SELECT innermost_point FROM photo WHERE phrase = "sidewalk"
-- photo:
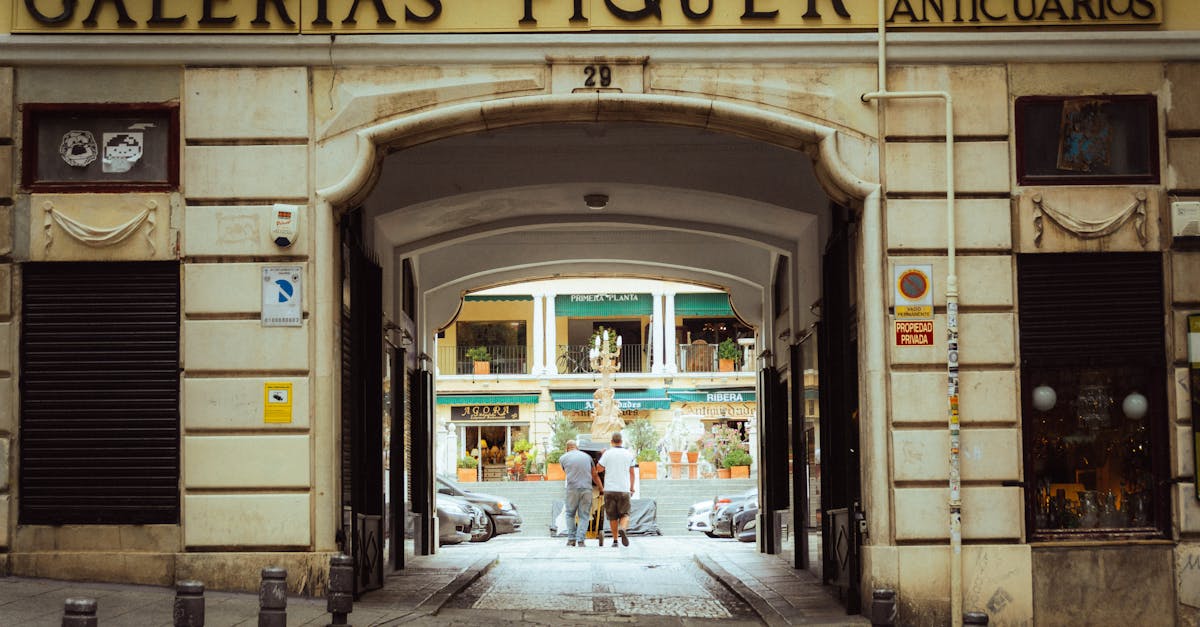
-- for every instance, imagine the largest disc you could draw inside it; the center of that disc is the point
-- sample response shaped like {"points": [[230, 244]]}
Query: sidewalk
{"points": [[779, 594]]}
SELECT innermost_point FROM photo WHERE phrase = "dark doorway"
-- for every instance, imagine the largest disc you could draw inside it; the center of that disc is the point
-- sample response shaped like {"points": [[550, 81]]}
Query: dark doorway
{"points": [[362, 409], [838, 380]]}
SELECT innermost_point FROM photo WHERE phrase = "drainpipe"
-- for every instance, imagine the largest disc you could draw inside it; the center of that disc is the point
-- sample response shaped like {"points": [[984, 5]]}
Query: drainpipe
{"points": [[955, 501]]}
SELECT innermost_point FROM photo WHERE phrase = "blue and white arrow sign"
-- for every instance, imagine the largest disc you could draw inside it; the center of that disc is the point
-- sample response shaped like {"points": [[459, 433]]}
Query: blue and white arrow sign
{"points": [[281, 302]]}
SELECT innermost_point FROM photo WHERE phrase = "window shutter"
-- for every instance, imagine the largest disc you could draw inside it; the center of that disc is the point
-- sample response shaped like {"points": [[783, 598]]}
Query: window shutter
{"points": [[100, 393]]}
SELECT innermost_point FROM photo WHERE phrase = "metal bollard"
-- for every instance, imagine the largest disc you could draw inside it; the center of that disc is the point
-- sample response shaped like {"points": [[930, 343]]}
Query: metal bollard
{"points": [[975, 618], [883, 608], [79, 612], [272, 598], [341, 588], [189, 604]]}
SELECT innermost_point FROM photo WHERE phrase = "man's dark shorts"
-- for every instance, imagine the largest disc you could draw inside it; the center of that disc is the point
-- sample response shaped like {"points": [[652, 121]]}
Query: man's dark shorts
{"points": [[616, 504]]}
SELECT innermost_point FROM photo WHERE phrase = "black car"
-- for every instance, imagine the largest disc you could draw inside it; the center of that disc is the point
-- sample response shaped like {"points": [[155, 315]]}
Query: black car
{"points": [[724, 509], [745, 522], [502, 515]]}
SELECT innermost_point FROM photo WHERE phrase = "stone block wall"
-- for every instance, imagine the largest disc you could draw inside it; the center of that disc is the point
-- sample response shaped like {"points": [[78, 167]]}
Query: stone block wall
{"points": [[1183, 183], [915, 233], [8, 420], [246, 482]]}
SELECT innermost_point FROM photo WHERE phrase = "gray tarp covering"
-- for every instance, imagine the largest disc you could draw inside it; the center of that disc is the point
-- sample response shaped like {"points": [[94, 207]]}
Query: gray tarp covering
{"points": [[643, 519]]}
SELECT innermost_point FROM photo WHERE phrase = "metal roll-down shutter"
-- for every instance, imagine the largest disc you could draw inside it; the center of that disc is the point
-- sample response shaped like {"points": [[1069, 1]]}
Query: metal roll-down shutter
{"points": [[99, 430]]}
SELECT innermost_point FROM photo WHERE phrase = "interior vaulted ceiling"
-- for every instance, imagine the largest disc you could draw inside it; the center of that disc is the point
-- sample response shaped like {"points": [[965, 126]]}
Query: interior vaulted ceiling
{"points": [[507, 205]]}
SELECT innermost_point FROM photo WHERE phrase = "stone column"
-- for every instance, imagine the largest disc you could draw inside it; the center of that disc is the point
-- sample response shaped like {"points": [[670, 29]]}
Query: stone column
{"points": [[668, 333], [449, 447], [539, 345], [550, 322], [656, 334]]}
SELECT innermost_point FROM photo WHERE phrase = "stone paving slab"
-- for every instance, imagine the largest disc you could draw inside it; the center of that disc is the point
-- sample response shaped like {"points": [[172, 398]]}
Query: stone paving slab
{"points": [[655, 593]]}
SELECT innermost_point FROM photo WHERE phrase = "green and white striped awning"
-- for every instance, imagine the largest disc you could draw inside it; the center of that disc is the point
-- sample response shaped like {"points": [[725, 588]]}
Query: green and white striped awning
{"points": [[712, 396], [599, 305], [487, 399], [626, 399], [715, 304]]}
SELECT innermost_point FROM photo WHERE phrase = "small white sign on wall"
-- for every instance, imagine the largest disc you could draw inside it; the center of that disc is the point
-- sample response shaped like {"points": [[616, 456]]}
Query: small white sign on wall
{"points": [[281, 297]]}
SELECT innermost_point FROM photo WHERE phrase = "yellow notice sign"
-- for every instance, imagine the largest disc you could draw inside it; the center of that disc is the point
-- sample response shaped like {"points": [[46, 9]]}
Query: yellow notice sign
{"points": [[277, 402]]}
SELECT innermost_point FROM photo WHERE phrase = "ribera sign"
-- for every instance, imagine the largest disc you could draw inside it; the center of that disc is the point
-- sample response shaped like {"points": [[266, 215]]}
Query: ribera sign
{"points": [[388, 16]]}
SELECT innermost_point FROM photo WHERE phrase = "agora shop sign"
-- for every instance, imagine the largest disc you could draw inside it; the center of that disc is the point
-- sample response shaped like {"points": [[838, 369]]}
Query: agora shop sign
{"points": [[384, 16]]}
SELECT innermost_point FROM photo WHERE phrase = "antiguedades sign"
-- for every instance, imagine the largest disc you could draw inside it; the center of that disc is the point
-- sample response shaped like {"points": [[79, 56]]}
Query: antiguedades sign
{"points": [[397, 16]]}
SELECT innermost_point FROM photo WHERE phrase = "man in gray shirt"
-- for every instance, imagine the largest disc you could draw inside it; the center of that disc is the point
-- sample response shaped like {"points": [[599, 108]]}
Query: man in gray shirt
{"points": [[581, 474]]}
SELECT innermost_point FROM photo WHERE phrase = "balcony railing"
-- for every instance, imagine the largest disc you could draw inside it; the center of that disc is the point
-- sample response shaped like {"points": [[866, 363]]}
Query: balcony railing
{"points": [[573, 359], [703, 358], [504, 360]]}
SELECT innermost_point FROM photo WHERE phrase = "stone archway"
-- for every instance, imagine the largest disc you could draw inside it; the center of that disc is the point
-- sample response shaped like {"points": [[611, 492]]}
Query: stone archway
{"points": [[831, 150]]}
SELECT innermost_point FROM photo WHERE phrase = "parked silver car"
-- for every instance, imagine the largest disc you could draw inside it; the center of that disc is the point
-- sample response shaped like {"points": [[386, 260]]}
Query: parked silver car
{"points": [[699, 517], [502, 515], [458, 520]]}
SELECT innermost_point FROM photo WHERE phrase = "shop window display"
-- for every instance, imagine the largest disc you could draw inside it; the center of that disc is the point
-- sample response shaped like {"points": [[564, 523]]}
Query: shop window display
{"points": [[1091, 448], [1094, 409]]}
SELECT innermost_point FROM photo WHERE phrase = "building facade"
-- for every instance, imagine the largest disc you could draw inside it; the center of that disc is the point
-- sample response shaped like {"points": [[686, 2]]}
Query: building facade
{"points": [[537, 347], [217, 218]]}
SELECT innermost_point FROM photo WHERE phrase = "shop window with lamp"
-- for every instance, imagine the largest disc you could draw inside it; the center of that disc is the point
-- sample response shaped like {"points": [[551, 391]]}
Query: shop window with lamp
{"points": [[1094, 411]]}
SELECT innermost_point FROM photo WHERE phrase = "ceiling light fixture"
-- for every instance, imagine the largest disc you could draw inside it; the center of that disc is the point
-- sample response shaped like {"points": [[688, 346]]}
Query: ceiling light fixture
{"points": [[595, 202]]}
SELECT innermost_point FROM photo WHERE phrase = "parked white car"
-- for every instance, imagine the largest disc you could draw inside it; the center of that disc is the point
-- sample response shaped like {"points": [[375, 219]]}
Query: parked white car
{"points": [[699, 517]]}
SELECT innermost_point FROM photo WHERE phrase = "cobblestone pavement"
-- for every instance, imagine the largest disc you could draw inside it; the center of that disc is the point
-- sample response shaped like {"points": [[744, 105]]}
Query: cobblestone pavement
{"points": [[511, 580]]}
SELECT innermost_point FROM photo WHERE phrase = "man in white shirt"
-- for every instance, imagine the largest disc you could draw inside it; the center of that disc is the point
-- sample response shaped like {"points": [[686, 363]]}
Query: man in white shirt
{"points": [[617, 464]]}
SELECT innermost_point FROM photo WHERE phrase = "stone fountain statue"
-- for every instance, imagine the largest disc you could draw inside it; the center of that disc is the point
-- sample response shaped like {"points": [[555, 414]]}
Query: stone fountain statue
{"points": [[606, 412]]}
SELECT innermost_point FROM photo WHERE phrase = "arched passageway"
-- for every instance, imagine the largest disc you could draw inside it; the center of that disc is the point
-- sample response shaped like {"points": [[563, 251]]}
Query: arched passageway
{"points": [[695, 191]]}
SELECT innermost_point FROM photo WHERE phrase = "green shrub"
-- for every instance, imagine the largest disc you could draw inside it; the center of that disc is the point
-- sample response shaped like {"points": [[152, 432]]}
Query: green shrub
{"points": [[522, 446], [647, 455], [466, 461], [642, 436], [478, 353], [728, 349], [553, 456], [562, 429], [736, 457]]}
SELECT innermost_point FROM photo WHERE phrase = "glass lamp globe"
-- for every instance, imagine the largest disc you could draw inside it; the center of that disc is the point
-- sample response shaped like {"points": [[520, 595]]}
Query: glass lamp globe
{"points": [[1044, 398], [1135, 406]]}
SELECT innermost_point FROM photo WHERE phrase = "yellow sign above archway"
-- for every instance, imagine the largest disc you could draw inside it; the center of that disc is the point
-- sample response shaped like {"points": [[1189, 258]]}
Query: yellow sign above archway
{"points": [[467, 16]]}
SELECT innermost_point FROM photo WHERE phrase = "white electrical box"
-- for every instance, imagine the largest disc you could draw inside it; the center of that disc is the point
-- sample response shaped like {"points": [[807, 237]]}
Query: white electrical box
{"points": [[1185, 219]]}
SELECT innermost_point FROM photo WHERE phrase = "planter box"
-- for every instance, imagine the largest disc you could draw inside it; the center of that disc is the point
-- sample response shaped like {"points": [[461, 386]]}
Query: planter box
{"points": [[555, 472], [534, 477], [740, 472], [483, 367], [649, 470], [725, 365], [467, 475], [723, 473]]}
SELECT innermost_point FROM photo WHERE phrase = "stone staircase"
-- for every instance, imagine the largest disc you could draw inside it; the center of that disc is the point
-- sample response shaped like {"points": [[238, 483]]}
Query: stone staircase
{"points": [[672, 497]]}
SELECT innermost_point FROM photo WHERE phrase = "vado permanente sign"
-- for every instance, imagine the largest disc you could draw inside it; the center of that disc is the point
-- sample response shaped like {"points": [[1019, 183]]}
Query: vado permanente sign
{"points": [[390, 16]]}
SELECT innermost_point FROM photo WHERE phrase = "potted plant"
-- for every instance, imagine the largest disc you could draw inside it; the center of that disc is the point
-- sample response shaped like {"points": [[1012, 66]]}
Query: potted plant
{"points": [[648, 463], [718, 443], [554, 470], [467, 468], [693, 456], [561, 431], [481, 358], [738, 463], [534, 470], [728, 355]]}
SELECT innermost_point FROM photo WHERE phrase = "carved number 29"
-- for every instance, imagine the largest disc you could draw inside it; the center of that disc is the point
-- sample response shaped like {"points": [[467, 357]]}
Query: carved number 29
{"points": [[591, 71]]}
